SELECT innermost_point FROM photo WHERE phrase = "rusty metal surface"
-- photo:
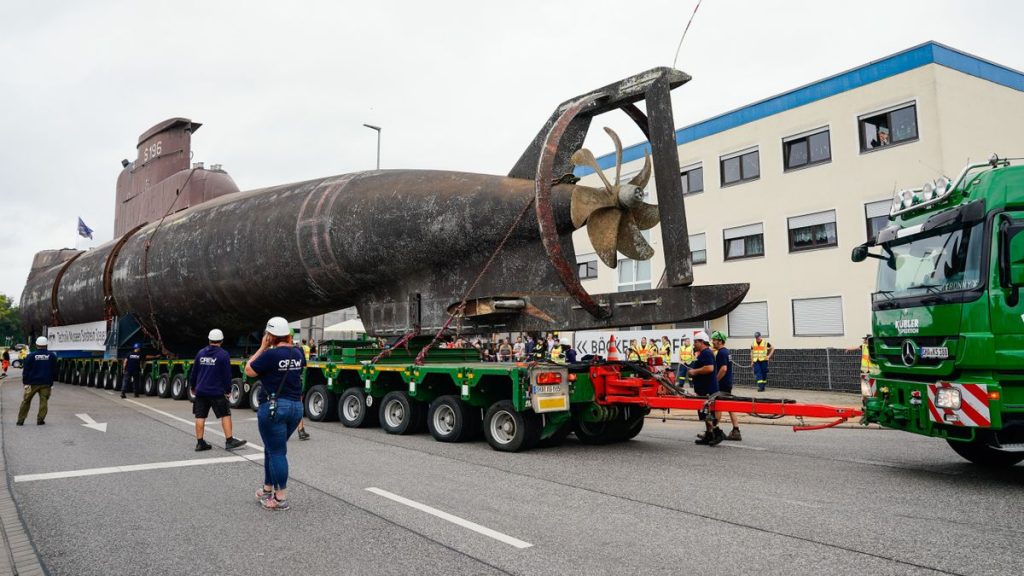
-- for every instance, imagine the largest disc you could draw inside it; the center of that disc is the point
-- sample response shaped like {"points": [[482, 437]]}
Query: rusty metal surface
{"points": [[55, 316], [109, 301]]}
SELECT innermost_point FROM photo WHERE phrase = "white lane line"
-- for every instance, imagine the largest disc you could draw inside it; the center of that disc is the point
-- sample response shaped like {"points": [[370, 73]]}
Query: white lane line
{"points": [[191, 422], [453, 519], [134, 468], [742, 446]]}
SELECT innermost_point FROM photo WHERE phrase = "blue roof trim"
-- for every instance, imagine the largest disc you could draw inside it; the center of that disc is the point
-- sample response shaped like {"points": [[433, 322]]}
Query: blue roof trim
{"points": [[927, 53]]}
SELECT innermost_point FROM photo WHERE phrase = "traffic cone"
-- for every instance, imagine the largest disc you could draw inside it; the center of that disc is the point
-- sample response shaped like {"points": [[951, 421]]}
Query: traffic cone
{"points": [[613, 350]]}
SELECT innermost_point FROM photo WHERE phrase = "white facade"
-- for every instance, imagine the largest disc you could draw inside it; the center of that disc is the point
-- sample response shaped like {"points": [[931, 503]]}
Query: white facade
{"points": [[812, 295]]}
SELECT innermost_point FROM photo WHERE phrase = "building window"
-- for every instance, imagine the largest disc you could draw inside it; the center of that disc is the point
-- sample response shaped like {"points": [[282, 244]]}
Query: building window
{"points": [[876, 214], [634, 275], [748, 318], [586, 267], [812, 231], [740, 167], [693, 179], [818, 316], [744, 241], [806, 149], [699, 248], [893, 126]]}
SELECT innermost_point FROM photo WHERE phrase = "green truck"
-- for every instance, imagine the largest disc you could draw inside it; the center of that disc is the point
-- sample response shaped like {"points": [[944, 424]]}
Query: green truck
{"points": [[948, 318]]}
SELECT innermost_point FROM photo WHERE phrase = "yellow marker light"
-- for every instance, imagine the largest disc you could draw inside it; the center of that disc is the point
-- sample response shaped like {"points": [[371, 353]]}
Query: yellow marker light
{"points": [[993, 395]]}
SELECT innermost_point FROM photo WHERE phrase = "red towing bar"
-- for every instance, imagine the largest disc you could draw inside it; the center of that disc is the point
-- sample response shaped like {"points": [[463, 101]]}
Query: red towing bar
{"points": [[611, 387]]}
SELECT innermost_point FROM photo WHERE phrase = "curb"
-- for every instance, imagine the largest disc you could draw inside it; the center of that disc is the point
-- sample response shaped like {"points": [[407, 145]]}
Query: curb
{"points": [[18, 555]]}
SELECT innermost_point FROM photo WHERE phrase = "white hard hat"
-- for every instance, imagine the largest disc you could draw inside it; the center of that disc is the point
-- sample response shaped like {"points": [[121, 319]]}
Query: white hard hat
{"points": [[701, 336], [278, 326], [216, 335], [42, 341]]}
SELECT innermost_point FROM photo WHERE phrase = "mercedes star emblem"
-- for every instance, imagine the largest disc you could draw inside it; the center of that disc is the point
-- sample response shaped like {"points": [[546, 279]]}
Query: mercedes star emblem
{"points": [[908, 352]]}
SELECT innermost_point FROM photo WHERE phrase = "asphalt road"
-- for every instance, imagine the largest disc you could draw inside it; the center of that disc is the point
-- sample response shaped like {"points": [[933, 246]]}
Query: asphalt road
{"points": [[839, 501]]}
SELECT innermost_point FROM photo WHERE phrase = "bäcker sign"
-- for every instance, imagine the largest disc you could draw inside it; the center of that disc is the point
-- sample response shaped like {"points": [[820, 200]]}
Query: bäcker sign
{"points": [[596, 341], [88, 336]]}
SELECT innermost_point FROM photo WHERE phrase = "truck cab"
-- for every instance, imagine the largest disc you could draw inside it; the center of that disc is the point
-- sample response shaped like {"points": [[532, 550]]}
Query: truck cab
{"points": [[947, 316]]}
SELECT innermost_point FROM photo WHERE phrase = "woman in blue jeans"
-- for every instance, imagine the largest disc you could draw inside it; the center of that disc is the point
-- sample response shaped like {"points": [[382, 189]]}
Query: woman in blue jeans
{"points": [[278, 364]]}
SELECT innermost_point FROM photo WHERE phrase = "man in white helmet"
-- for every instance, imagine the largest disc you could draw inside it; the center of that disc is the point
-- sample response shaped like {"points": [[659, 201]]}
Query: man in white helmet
{"points": [[210, 381], [38, 369]]}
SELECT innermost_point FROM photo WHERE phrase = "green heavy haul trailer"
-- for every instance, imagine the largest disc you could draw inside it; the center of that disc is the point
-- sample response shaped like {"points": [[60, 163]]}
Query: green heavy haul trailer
{"points": [[453, 395], [948, 317]]}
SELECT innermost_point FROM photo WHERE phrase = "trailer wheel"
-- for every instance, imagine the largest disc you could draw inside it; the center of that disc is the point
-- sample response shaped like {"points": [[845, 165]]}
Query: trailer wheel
{"points": [[508, 430], [163, 386], [321, 404], [557, 437], [77, 377], [190, 393], [179, 388], [149, 385], [449, 419], [399, 414], [981, 452], [354, 411], [254, 395], [632, 424], [118, 383], [90, 377], [237, 398]]}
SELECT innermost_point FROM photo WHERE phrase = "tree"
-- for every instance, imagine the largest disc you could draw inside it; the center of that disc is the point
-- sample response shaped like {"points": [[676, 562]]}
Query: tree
{"points": [[10, 322]]}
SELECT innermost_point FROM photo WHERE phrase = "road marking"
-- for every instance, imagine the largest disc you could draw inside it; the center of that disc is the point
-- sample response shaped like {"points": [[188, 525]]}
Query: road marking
{"points": [[135, 468], [90, 423], [453, 519], [192, 422], [742, 446]]}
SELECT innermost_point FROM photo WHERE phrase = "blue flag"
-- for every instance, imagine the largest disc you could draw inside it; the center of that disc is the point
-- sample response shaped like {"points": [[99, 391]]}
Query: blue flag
{"points": [[83, 230]]}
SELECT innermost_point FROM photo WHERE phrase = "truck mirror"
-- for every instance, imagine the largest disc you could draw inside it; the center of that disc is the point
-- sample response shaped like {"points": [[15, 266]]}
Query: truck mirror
{"points": [[859, 254]]}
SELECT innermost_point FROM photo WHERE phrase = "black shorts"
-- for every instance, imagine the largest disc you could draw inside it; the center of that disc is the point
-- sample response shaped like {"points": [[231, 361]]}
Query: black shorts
{"points": [[725, 389], [202, 405]]}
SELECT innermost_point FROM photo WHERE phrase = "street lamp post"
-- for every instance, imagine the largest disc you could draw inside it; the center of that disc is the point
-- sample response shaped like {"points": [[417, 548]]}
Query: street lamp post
{"points": [[377, 128]]}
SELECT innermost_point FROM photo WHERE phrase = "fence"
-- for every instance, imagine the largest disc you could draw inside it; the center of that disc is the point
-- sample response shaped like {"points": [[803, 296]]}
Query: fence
{"points": [[805, 369]]}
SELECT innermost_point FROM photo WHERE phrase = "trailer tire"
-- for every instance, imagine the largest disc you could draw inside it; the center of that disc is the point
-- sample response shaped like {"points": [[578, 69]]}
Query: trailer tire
{"points": [[399, 414], [237, 398], [190, 393], [597, 433], [354, 412], [90, 377], [632, 424], [254, 395], [449, 419], [149, 385], [77, 377], [320, 404], [557, 437], [179, 387], [163, 386], [508, 430], [979, 451], [112, 379]]}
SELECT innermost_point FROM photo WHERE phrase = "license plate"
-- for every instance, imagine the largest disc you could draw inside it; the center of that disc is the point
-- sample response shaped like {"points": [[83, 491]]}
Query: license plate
{"points": [[555, 389], [940, 352]]}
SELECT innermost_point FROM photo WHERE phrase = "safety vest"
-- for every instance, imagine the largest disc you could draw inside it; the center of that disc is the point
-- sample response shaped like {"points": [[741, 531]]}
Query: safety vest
{"points": [[634, 354], [759, 352], [686, 354], [866, 365], [665, 351], [556, 354]]}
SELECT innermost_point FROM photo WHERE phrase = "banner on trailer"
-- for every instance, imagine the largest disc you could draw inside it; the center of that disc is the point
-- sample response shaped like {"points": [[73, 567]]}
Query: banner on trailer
{"points": [[89, 336], [596, 341]]}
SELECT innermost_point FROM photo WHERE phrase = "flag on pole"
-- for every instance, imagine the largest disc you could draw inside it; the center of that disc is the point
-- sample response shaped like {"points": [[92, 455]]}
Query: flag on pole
{"points": [[83, 230]]}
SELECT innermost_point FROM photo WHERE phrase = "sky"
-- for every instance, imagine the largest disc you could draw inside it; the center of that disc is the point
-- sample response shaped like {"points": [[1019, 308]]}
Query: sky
{"points": [[283, 88]]}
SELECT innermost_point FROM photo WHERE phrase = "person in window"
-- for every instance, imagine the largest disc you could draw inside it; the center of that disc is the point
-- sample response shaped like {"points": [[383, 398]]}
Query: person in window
{"points": [[881, 139]]}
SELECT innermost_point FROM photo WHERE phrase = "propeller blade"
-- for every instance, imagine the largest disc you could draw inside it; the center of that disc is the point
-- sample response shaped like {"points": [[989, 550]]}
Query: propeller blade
{"points": [[629, 240], [603, 229], [584, 157], [645, 215], [640, 180], [585, 200], [618, 153]]}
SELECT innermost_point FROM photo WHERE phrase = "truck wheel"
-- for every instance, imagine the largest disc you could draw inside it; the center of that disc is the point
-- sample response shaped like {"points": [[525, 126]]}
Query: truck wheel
{"points": [[116, 382], [101, 379], [399, 414], [979, 451], [508, 430], [254, 395], [632, 424], [354, 411], [149, 385], [596, 433], [90, 378], [321, 404], [77, 376], [190, 393], [449, 419], [163, 386], [179, 388], [557, 437], [237, 398]]}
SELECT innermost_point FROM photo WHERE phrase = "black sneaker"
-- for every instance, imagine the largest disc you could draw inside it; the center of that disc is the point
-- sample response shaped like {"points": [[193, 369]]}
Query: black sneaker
{"points": [[19, 423], [702, 439], [123, 396], [202, 445], [716, 437], [303, 435], [40, 423], [233, 443]]}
